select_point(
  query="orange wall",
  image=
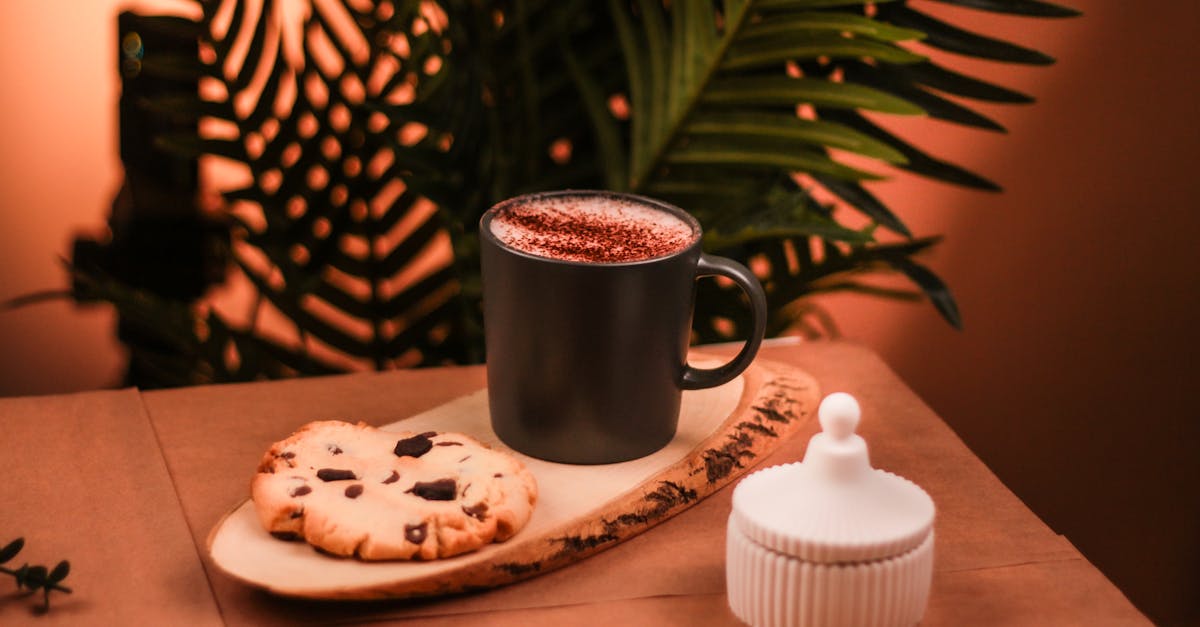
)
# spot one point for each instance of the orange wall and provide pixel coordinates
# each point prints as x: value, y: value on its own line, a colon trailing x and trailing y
x: 1078, y: 286
x: 1074, y: 377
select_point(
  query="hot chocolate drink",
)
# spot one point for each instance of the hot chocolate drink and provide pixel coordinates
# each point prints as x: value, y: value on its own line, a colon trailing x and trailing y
x: 590, y: 228
x: 587, y: 307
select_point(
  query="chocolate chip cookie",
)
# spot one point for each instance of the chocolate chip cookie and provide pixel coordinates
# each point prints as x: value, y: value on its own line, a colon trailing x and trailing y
x: 354, y: 490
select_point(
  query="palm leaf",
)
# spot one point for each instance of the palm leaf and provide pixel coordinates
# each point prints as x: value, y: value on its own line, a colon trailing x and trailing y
x: 401, y: 122
x: 950, y: 38
x: 1032, y: 8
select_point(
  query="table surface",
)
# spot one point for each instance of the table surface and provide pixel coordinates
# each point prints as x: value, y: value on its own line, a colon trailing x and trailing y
x: 127, y: 485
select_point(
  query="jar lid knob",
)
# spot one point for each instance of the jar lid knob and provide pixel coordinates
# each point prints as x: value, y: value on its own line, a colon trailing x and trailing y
x: 839, y: 415
x: 837, y: 453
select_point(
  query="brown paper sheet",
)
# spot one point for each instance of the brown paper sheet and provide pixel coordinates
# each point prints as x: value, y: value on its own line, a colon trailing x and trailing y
x: 84, y: 481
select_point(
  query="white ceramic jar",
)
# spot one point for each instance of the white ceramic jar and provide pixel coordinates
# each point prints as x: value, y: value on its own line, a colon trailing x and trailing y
x: 830, y: 541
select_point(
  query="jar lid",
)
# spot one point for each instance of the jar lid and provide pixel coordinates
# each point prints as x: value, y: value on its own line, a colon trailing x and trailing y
x: 833, y: 506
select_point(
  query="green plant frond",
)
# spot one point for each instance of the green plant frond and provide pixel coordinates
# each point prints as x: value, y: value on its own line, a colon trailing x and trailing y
x: 950, y: 38
x: 683, y: 53
x: 933, y: 287
x: 935, y: 106
x: 790, y: 5
x: 772, y: 224
x: 728, y: 187
x: 752, y: 91
x: 785, y: 126
x: 942, y: 79
x: 919, y: 162
x: 1031, y: 8
x: 846, y: 284
x: 716, y: 107
x: 807, y: 273
x: 801, y: 26
x: 862, y: 200
x: 778, y: 153
x: 775, y: 50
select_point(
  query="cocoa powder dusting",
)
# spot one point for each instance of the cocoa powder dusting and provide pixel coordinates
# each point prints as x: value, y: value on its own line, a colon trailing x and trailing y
x: 595, y: 230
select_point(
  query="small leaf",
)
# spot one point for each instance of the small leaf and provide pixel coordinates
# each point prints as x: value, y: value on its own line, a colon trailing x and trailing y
x: 59, y: 573
x: 11, y: 549
x: 933, y: 287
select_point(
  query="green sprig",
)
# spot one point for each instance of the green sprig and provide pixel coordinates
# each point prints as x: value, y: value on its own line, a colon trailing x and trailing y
x: 34, y: 578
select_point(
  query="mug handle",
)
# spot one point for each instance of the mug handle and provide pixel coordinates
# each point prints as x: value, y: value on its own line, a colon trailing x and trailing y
x: 711, y: 265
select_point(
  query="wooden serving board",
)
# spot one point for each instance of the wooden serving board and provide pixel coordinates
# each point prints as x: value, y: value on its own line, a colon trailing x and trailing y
x: 581, y: 510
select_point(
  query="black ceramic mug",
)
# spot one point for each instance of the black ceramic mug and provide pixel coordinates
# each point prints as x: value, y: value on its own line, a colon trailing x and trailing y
x: 587, y: 359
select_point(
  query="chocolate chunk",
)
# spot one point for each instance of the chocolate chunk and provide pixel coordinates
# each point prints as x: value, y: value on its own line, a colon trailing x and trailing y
x: 392, y: 478
x: 415, y: 446
x: 290, y: 536
x: 300, y: 491
x: 498, y: 475
x: 448, y: 443
x: 352, y: 491
x: 477, y: 511
x: 440, y: 490
x: 334, y: 474
x: 287, y: 454
x: 334, y: 449
x: 296, y: 513
x: 430, y: 434
x: 415, y: 533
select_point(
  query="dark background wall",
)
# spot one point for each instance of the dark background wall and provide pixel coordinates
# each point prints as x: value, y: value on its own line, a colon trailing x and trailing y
x: 1079, y: 287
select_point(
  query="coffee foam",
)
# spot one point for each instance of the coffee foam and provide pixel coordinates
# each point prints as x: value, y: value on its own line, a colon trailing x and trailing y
x: 587, y: 228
